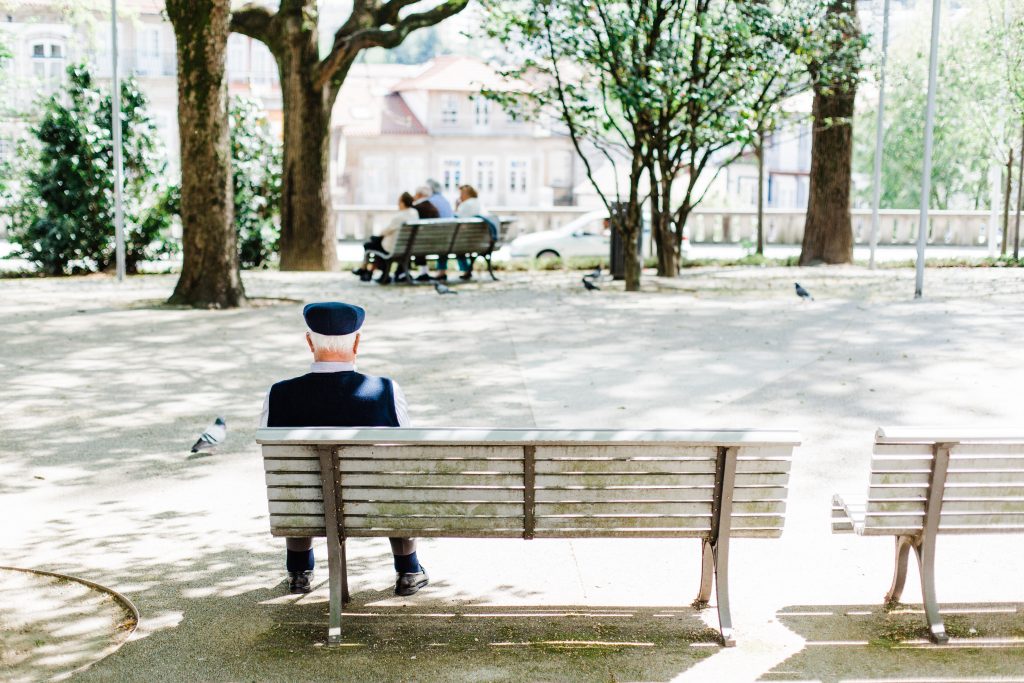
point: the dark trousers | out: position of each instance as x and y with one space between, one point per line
399 546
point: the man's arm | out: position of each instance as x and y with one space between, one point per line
265 415
401 406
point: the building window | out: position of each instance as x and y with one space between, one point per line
149 52
482 111
47 60
517 172
451 175
484 175
449 109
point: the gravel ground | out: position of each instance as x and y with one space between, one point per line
105 388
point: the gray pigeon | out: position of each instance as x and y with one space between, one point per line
443 289
590 286
595 274
213 435
802 293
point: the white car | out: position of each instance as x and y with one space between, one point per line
588 235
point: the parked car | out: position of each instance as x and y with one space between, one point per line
588 235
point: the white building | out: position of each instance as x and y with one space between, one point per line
395 126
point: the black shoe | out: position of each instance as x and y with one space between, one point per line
443 277
423 277
384 280
467 276
365 276
298 582
409 584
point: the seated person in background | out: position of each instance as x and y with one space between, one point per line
426 209
381 246
444 209
469 206
333 394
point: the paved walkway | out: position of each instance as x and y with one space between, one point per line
105 389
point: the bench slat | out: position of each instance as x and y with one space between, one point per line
409 523
384 480
608 508
291 465
297 532
429 452
653 533
301 521
294 507
435 494
309 479
599 451
697 522
289 451
295 493
609 466
440 509
448 466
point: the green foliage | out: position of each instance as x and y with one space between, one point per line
256 171
63 211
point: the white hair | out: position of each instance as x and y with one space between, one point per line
332 343
424 190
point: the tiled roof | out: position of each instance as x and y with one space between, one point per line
454 73
394 118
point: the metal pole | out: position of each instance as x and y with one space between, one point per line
115 122
876 193
926 172
1020 197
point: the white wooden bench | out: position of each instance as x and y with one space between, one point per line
930 481
427 238
528 483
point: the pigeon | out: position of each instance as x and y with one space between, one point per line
213 435
590 286
802 293
443 289
595 275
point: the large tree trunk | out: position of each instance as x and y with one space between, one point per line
307 233
661 226
828 232
210 275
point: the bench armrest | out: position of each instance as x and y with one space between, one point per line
847 517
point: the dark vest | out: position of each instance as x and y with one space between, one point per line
333 399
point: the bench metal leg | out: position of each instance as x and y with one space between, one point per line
707 574
722 588
489 268
345 596
926 559
899 577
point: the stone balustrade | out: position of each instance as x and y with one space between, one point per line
706 225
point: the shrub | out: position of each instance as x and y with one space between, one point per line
256 170
63 204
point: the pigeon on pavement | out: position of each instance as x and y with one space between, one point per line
802 293
443 289
590 286
213 435
595 274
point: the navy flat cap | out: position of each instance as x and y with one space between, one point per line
333 318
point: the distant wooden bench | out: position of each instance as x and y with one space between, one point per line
926 482
471 238
528 483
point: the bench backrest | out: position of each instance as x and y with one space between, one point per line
528 483
982 481
436 236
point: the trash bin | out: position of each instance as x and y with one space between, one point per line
617 257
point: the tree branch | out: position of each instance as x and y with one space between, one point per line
348 44
253 21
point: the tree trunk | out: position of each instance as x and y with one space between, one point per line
828 231
210 275
307 234
759 151
661 224
1006 203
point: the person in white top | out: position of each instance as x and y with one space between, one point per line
381 245
468 206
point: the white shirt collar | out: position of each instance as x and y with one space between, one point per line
331 366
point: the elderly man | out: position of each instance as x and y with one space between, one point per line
333 394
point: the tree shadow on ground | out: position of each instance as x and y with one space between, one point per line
871 642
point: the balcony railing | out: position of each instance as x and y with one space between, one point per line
706 225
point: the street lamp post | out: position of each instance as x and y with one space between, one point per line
876 193
926 172
115 123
